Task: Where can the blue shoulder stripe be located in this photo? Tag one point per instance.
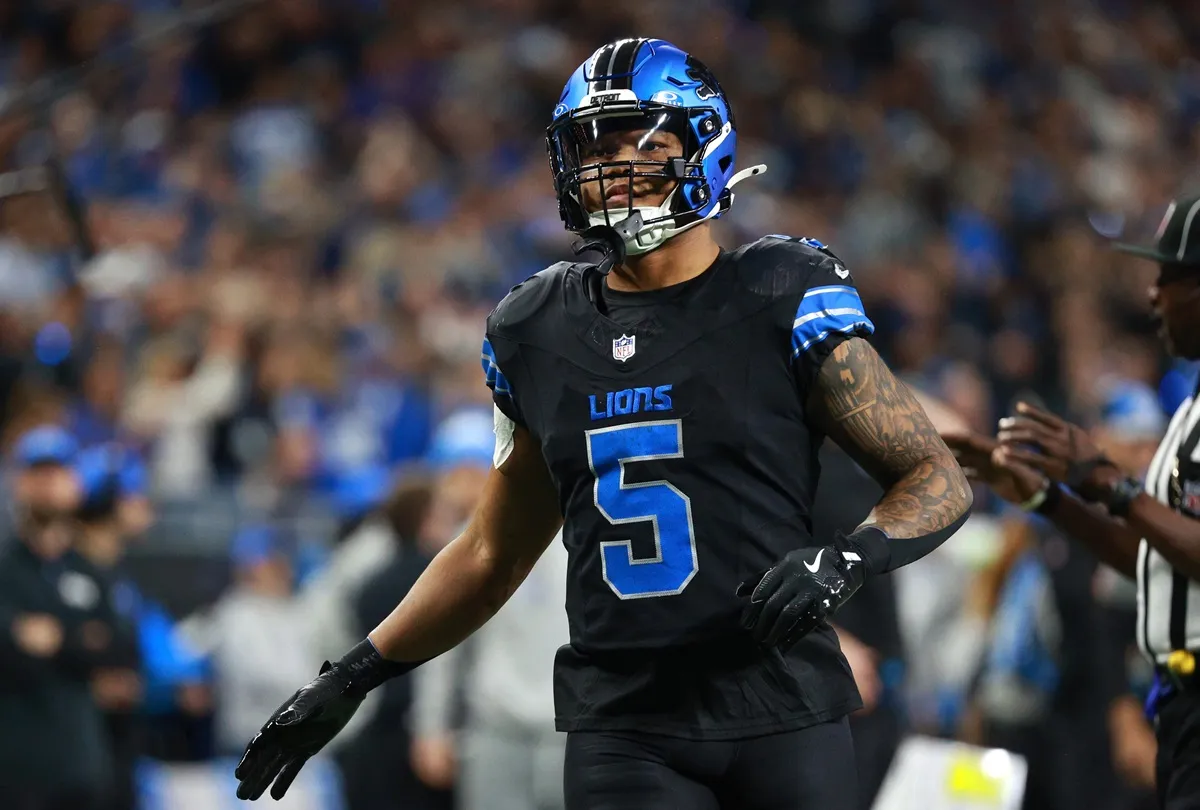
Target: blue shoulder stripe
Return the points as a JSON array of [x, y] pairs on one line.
[[824, 311], [495, 377], [804, 240]]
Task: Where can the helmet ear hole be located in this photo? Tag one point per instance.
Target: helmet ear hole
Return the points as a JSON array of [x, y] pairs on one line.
[[724, 163]]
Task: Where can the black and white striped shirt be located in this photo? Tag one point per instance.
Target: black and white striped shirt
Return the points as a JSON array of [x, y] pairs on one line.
[[1168, 602]]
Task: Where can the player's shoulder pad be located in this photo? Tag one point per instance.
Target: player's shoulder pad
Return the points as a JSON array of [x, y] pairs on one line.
[[778, 265], [528, 298]]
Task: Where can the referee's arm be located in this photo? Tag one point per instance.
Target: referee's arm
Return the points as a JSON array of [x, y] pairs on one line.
[[1066, 448], [1172, 534], [1111, 540]]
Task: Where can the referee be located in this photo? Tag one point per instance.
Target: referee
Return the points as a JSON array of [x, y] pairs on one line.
[[1150, 531]]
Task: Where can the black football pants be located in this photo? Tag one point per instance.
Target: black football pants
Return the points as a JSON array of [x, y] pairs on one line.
[[1178, 765], [810, 769]]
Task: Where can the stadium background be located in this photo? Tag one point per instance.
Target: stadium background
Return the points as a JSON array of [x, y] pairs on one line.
[[304, 213]]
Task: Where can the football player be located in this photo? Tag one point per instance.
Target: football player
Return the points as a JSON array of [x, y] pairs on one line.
[[665, 407]]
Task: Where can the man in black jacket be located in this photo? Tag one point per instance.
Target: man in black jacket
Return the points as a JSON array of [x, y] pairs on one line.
[[112, 481], [56, 631]]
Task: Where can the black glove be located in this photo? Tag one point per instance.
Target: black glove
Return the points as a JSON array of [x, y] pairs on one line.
[[793, 598], [309, 719]]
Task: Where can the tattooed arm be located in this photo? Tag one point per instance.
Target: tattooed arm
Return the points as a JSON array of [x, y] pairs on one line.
[[875, 418]]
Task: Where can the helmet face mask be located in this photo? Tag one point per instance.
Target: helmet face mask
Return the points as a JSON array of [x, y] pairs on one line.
[[607, 136], [589, 160]]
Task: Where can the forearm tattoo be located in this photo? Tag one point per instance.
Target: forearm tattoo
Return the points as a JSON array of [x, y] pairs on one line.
[[876, 419]]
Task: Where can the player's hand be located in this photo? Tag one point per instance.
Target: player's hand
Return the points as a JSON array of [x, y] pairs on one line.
[[296, 731], [1067, 454], [38, 634], [1134, 746], [796, 596], [116, 689], [982, 460], [864, 666], [434, 761]]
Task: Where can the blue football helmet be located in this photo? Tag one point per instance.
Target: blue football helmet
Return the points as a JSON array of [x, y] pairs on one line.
[[647, 86]]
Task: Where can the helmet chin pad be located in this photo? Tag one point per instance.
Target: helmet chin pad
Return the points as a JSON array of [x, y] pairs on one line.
[[646, 238]]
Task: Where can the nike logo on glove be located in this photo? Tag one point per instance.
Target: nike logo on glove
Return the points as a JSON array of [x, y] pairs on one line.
[[815, 564]]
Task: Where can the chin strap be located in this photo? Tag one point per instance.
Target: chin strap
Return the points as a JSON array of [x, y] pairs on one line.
[[609, 240], [727, 199], [752, 171]]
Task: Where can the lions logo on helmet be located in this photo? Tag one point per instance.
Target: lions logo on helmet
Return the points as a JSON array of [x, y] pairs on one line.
[[645, 85]]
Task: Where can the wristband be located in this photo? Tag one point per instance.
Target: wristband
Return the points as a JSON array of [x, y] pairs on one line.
[[1044, 500], [1037, 500], [1053, 496], [366, 669], [1120, 498]]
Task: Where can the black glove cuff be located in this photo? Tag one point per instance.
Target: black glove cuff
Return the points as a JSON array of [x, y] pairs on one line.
[[872, 546], [366, 669]]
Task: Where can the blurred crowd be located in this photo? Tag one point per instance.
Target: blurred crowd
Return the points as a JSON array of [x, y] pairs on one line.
[[265, 390]]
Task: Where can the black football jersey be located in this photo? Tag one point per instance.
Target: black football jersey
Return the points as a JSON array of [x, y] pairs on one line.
[[678, 444]]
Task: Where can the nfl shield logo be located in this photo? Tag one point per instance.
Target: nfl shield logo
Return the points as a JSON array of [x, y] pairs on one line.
[[1189, 499], [623, 347]]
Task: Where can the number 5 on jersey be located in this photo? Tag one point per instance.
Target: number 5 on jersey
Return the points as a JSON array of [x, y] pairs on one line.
[[656, 502]]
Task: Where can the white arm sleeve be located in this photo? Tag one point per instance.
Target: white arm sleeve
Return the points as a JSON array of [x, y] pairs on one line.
[[503, 428]]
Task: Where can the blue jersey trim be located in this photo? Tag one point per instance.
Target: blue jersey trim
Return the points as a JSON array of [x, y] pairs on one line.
[[826, 311], [495, 377], [804, 240]]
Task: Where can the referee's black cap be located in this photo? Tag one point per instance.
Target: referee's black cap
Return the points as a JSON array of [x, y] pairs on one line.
[[1178, 237]]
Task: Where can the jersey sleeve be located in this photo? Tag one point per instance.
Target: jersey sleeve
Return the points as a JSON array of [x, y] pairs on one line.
[[514, 323], [502, 392], [827, 313]]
